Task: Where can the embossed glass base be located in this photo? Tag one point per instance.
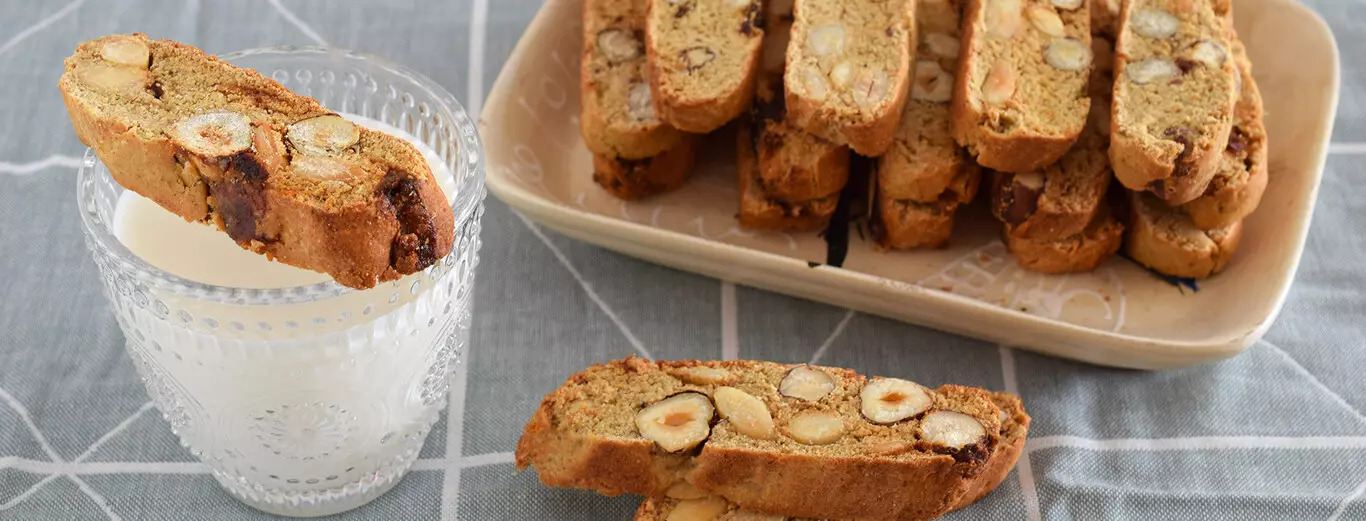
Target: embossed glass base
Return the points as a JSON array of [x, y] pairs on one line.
[[311, 400]]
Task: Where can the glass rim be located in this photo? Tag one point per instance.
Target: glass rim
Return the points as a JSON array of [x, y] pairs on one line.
[[468, 193]]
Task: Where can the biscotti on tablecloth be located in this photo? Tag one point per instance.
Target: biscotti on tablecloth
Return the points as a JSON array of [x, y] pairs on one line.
[[689, 503], [1175, 87], [1021, 96], [1238, 184], [768, 437], [848, 69], [281, 174], [704, 56]]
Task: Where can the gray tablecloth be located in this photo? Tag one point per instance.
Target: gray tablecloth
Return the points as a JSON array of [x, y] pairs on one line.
[[1275, 433]]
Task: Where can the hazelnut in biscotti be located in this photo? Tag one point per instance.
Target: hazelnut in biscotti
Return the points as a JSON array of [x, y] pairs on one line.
[[618, 117], [1175, 87], [1021, 97], [768, 437], [704, 56], [1237, 187], [1165, 240], [848, 68], [278, 172]]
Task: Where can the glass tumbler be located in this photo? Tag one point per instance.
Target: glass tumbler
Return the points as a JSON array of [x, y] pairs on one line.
[[312, 400]]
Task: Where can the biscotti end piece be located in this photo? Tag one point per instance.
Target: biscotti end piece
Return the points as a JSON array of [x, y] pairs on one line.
[[905, 224], [279, 173], [1014, 430], [704, 58], [1020, 100], [618, 116], [632, 179], [1056, 202], [769, 437], [1081, 252], [1165, 240], [848, 69], [794, 166], [1174, 92], [761, 211], [1238, 185]]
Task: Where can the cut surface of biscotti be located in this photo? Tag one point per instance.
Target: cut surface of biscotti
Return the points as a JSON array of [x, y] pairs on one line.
[[1080, 252], [848, 68], [633, 179], [1237, 187], [773, 438], [1175, 87], [1061, 199], [688, 503], [761, 211], [1165, 240], [1021, 97], [278, 172], [704, 56], [618, 116]]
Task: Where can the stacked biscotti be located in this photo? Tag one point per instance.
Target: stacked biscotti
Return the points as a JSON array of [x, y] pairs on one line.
[[779, 439], [789, 179], [925, 176]]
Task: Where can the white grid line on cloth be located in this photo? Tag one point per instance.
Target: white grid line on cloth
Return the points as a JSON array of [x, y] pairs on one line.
[[1347, 501], [1332, 395], [54, 160], [297, 22], [830, 340], [95, 496], [1196, 443], [55, 470], [587, 288], [113, 432], [1347, 148], [40, 25], [455, 413], [56, 458], [730, 328], [1028, 491]]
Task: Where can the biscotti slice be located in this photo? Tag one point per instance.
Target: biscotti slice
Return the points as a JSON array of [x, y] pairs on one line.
[[688, 503], [1077, 253], [1021, 97], [1059, 200], [761, 211], [1237, 187], [1165, 240], [633, 179], [1175, 87], [848, 69], [281, 174], [618, 116], [902, 224], [704, 57], [772, 438]]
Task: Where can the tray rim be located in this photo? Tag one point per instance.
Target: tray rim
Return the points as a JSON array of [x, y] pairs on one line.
[[1106, 348]]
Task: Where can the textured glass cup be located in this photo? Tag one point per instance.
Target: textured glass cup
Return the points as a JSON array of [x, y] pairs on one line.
[[310, 400]]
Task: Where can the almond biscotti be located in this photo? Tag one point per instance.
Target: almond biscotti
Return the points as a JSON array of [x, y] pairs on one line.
[[1060, 200], [632, 179], [761, 211], [1237, 187], [768, 437], [704, 56], [1080, 252], [1175, 87], [848, 68], [1021, 97], [688, 503], [278, 172], [1165, 240], [618, 118]]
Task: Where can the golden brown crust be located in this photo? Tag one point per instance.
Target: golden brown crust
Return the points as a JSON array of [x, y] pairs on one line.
[[795, 166], [903, 224], [1237, 187], [1014, 430], [1078, 253], [387, 220], [759, 210], [633, 179], [610, 78], [1165, 239], [704, 58]]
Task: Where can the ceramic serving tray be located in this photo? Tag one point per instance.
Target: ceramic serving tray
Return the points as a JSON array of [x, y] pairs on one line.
[[1119, 315]]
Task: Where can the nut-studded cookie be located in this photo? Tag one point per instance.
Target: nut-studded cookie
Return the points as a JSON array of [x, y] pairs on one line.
[[848, 68], [759, 210], [279, 173], [632, 179], [768, 437], [1175, 87], [1237, 187], [1021, 97], [1165, 240], [1079, 252], [704, 56], [618, 117]]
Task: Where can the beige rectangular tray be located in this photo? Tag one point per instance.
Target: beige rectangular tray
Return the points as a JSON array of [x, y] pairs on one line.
[[1119, 315]]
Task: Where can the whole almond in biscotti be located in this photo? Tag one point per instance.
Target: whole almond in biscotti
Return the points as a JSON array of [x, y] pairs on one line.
[[1021, 98], [282, 175], [635, 426], [704, 56], [1237, 186], [1174, 91], [618, 118], [848, 68]]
